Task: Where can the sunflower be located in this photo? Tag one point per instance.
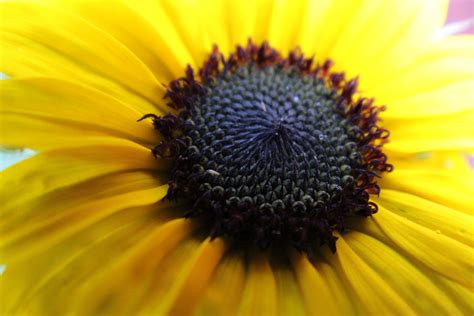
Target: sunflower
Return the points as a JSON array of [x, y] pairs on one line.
[[291, 157]]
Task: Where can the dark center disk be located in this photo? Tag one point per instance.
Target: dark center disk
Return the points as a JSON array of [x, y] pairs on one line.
[[268, 155]]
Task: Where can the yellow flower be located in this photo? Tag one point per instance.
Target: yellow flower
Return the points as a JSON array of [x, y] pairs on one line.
[[84, 225]]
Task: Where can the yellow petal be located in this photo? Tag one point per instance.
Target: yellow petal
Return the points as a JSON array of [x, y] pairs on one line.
[[224, 24], [22, 57], [333, 20], [190, 283], [216, 28], [61, 103], [51, 218], [284, 23], [374, 294], [230, 23], [289, 297], [78, 41], [42, 134], [461, 295], [223, 295], [260, 280], [439, 82], [456, 162], [447, 132], [415, 286], [313, 282], [185, 17], [53, 170], [104, 291], [198, 25], [144, 28], [373, 44], [358, 27], [336, 284], [262, 20], [453, 98], [436, 217], [424, 247], [242, 19], [164, 278], [313, 24], [453, 190], [43, 283], [202, 24]]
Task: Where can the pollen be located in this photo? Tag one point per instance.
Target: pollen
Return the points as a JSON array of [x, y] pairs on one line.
[[271, 150]]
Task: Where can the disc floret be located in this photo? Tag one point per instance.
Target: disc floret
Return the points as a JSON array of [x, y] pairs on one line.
[[271, 149]]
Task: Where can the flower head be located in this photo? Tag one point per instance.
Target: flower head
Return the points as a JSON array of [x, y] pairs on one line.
[[249, 157]]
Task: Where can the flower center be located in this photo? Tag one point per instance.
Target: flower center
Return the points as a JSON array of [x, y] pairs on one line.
[[270, 149]]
